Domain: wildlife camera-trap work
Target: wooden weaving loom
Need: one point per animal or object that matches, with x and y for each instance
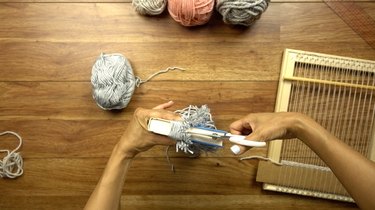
(339, 93)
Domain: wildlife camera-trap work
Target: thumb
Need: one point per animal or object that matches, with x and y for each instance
(240, 149)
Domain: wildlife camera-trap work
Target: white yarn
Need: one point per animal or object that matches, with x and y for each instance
(261, 158)
(192, 116)
(113, 81)
(11, 165)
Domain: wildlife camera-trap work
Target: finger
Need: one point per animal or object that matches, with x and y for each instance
(239, 149)
(163, 114)
(236, 127)
(164, 105)
(240, 127)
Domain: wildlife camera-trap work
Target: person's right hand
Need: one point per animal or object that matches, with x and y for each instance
(266, 127)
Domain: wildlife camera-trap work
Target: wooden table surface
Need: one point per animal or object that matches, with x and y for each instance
(47, 49)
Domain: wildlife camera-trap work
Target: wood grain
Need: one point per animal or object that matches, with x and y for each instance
(158, 185)
(73, 100)
(148, 176)
(47, 50)
(85, 139)
(209, 62)
(267, 201)
(118, 22)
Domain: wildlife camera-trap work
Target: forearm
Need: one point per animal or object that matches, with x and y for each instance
(355, 172)
(107, 193)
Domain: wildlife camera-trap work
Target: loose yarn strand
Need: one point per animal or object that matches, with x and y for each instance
(169, 160)
(261, 158)
(11, 166)
(139, 81)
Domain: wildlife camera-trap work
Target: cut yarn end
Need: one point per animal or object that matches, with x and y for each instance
(11, 166)
(149, 7)
(191, 12)
(192, 116)
(113, 81)
(241, 12)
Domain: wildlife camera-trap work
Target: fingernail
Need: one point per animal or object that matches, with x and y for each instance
(235, 149)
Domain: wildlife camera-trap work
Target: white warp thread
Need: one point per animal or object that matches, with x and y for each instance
(113, 81)
(11, 166)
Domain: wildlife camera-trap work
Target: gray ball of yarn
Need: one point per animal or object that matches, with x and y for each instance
(241, 12)
(149, 7)
(113, 81)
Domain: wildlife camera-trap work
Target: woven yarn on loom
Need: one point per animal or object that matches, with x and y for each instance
(241, 12)
(149, 7)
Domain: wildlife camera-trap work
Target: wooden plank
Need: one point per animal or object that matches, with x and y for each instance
(42, 202)
(314, 22)
(267, 201)
(146, 176)
(50, 61)
(47, 61)
(356, 18)
(85, 139)
(73, 100)
(118, 22)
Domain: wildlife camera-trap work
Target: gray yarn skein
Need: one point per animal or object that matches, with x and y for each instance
(241, 12)
(149, 7)
(113, 81)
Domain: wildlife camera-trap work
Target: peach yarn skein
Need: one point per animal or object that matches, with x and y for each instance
(191, 12)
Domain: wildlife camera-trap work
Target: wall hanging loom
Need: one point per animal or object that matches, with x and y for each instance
(339, 93)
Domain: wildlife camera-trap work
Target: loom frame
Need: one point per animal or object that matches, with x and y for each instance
(282, 103)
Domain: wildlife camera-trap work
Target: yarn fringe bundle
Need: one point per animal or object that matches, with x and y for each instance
(192, 116)
(113, 81)
(11, 166)
(199, 12)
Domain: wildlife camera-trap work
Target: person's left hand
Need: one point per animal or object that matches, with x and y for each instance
(137, 138)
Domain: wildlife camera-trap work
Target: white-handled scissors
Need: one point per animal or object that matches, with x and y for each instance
(220, 134)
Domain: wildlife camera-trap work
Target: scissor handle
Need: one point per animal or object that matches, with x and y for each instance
(238, 139)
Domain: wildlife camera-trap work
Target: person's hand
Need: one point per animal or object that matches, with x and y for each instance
(136, 138)
(266, 127)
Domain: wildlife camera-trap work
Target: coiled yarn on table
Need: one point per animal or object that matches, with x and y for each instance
(241, 12)
(191, 12)
(113, 81)
(149, 7)
(11, 166)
